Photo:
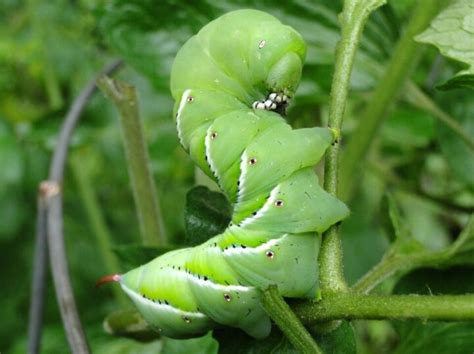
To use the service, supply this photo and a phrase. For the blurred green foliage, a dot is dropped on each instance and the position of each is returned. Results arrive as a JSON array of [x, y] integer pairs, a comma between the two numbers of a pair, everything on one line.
[[50, 49]]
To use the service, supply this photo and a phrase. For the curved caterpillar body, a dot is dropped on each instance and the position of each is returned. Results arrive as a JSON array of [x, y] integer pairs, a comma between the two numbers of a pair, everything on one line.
[[231, 82]]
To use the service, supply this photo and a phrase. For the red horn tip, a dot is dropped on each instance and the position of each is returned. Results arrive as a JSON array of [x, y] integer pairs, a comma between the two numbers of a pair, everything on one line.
[[108, 279]]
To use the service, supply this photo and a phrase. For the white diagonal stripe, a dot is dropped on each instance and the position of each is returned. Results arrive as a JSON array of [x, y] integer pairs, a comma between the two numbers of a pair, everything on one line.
[[182, 103]]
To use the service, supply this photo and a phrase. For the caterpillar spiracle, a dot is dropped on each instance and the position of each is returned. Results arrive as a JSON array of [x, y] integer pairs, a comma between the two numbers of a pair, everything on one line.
[[232, 82]]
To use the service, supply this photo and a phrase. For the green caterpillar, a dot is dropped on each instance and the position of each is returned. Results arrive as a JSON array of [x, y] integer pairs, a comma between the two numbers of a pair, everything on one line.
[[232, 82]]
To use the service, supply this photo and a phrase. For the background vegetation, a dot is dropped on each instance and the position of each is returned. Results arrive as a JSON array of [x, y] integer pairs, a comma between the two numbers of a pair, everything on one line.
[[50, 49]]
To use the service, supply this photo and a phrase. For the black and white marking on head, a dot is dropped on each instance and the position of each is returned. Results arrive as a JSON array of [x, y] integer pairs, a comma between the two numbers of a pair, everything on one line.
[[273, 102]]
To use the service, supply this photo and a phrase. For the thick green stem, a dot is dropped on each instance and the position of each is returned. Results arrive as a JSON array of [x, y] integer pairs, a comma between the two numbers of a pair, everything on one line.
[[144, 191], [352, 19], [97, 221], [377, 307], [398, 69], [286, 320]]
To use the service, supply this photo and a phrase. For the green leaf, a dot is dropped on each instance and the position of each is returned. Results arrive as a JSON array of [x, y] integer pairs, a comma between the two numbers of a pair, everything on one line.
[[392, 220], [340, 341], [204, 345], [462, 250], [458, 154], [429, 281], [129, 324], [408, 128], [424, 223], [133, 255], [207, 214], [12, 213], [435, 337], [232, 341], [452, 32], [146, 35], [363, 244], [13, 210], [11, 159], [124, 346], [397, 229], [458, 81]]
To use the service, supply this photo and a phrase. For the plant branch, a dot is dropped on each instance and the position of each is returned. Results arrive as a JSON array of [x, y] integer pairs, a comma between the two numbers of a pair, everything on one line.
[[352, 19], [398, 69], [286, 320], [51, 218], [144, 191], [352, 306]]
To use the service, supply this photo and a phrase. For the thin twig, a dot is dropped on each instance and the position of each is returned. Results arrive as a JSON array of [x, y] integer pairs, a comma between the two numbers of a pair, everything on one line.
[[51, 218]]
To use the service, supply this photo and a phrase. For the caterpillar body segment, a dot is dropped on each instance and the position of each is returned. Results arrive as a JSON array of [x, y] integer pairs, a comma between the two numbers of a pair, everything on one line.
[[235, 54], [177, 299], [230, 82]]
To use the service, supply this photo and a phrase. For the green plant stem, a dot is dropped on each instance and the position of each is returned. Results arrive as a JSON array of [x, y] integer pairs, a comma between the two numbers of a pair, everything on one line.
[[97, 221], [144, 191], [399, 68], [286, 320], [419, 99], [351, 306], [352, 19]]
